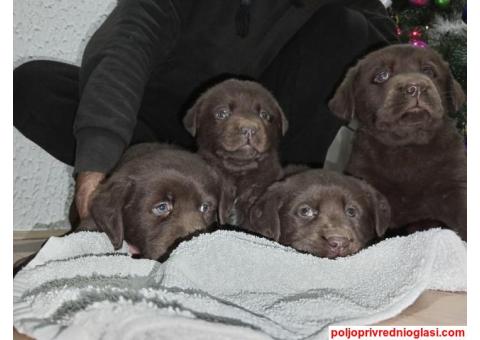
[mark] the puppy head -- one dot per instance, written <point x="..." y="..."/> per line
<point x="157" y="200"/>
<point x="237" y="121"/>
<point x="399" y="94"/>
<point x="322" y="213"/>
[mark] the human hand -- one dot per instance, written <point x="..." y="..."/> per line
<point x="86" y="183"/>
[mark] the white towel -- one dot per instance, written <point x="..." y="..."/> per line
<point x="226" y="285"/>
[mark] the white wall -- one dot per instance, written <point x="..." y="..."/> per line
<point x="57" y="30"/>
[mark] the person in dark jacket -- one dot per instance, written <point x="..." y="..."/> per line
<point x="150" y="59"/>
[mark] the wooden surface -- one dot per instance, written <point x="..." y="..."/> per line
<point x="432" y="308"/>
<point x="19" y="336"/>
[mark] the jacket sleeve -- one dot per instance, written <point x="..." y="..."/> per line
<point x="381" y="28"/>
<point x="116" y="66"/>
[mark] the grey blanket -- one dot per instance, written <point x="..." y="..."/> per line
<point x="226" y="285"/>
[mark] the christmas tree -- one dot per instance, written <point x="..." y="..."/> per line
<point x="442" y="25"/>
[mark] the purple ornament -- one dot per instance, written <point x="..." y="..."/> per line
<point x="418" y="43"/>
<point x="419" y="3"/>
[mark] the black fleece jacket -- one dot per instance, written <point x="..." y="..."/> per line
<point x="180" y="44"/>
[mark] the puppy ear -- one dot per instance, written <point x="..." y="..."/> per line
<point x="343" y="102"/>
<point x="227" y="200"/>
<point x="283" y="117"/>
<point x="190" y="121"/>
<point x="382" y="214"/>
<point x="456" y="94"/>
<point x="382" y="211"/>
<point x="264" y="215"/>
<point x="284" y="121"/>
<point x="107" y="209"/>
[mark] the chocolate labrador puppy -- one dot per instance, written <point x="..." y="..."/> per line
<point x="321" y="212"/>
<point x="157" y="196"/>
<point x="406" y="146"/>
<point x="238" y="125"/>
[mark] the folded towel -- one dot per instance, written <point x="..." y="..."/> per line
<point x="226" y="285"/>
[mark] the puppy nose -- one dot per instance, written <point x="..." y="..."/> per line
<point x="412" y="89"/>
<point x="415" y="88"/>
<point x="338" y="242"/>
<point x="248" y="131"/>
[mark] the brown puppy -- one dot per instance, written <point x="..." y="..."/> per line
<point x="157" y="196"/>
<point x="238" y="125"/>
<point x="321" y="212"/>
<point x="406" y="146"/>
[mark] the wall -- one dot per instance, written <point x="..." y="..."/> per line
<point x="56" y="30"/>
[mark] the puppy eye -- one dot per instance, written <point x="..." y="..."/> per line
<point x="351" y="212"/>
<point x="162" y="209"/>
<point x="222" y="114"/>
<point x="428" y="70"/>
<point x="204" y="207"/>
<point x="381" y="77"/>
<point x="265" y="115"/>
<point x="306" y="211"/>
